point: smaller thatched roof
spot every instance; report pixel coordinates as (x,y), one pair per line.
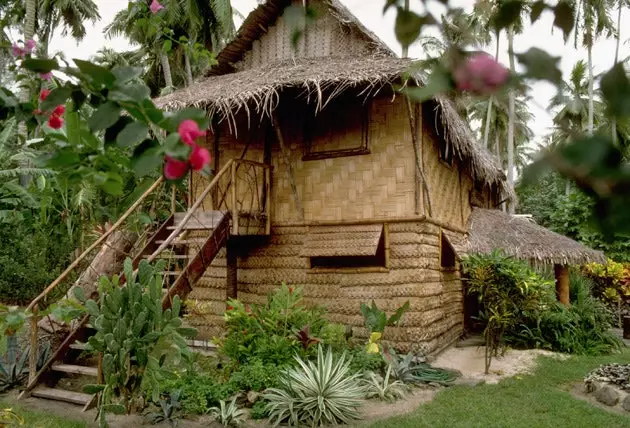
(518,237)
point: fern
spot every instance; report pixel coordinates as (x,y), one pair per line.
(16,172)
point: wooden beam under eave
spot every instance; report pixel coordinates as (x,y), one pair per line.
(562,283)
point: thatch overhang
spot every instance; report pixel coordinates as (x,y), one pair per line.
(266,15)
(489,230)
(319,80)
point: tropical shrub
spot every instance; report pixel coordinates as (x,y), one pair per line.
(138,340)
(199,391)
(409,370)
(169,410)
(508,290)
(274,332)
(384,388)
(228,414)
(581,328)
(376,320)
(13,368)
(362,361)
(259,410)
(315,393)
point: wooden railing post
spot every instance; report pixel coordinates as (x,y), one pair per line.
(34,340)
(234,207)
(268,200)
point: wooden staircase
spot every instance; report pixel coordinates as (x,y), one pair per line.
(189,241)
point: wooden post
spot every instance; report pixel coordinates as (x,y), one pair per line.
(235,216)
(562,283)
(267,203)
(33,353)
(231,285)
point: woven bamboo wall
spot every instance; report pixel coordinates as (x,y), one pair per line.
(325,36)
(449,186)
(434,320)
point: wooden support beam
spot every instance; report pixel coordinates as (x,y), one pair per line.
(562,283)
(231,285)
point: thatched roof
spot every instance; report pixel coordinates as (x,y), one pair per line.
(267,13)
(523,239)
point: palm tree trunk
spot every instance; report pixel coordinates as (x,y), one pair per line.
(590,90)
(166,68)
(614,119)
(29,33)
(511,119)
(486,133)
(189,76)
(497,148)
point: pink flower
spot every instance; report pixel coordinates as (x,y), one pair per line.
(480,74)
(46,76)
(155,7)
(29,46)
(55,122)
(44,94)
(59,110)
(17,51)
(175,169)
(189,131)
(199,158)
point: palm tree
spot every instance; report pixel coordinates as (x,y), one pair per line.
(71,14)
(592,21)
(620,6)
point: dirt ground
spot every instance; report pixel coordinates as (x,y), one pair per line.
(470,362)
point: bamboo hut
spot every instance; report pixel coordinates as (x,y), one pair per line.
(367,191)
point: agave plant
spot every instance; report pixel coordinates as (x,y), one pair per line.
(316,393)
(383,388)
(410,371)
(228,414)
(14,370)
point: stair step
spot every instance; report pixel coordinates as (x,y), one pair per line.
(74,369)
(61,395)
(78,345)
(173,256)
(173,272)
(183,241)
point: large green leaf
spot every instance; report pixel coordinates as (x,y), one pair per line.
(56,97)
(616,90)
(132,134)
(99,75)
(147,157)
(105,116)
(40,65)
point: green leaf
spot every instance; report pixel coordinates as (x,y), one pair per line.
(73,128)
(437,82)
(167,46)
(78,98)
(99,75)
(40,65)
(93,389)
(63,158)
(394,319)
(135,92)
(79,294)
(409,25)
(112,132)
(508,14)
(126,73)
(172,120)
(187,331)
(117,409)
(105,116)
(7,97)
(133,133)
(536,10)
(56,97)
(540,65)
(147,157)
(155,114)
(564,17)
(615,87)
(92,308)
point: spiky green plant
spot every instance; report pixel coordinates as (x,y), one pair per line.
(228,414)
(384,389)
(316,393)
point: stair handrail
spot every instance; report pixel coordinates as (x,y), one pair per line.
(94,245)
(191,211)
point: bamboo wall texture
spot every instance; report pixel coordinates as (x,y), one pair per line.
(325,36)
(434,320)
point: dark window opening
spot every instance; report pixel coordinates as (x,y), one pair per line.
(432,125)
(377,260)
(446,153)
(447,254)
(339,129)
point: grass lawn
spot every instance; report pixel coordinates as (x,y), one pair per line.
(38,419)
(538,400)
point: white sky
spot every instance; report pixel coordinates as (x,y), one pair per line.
(370,13)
